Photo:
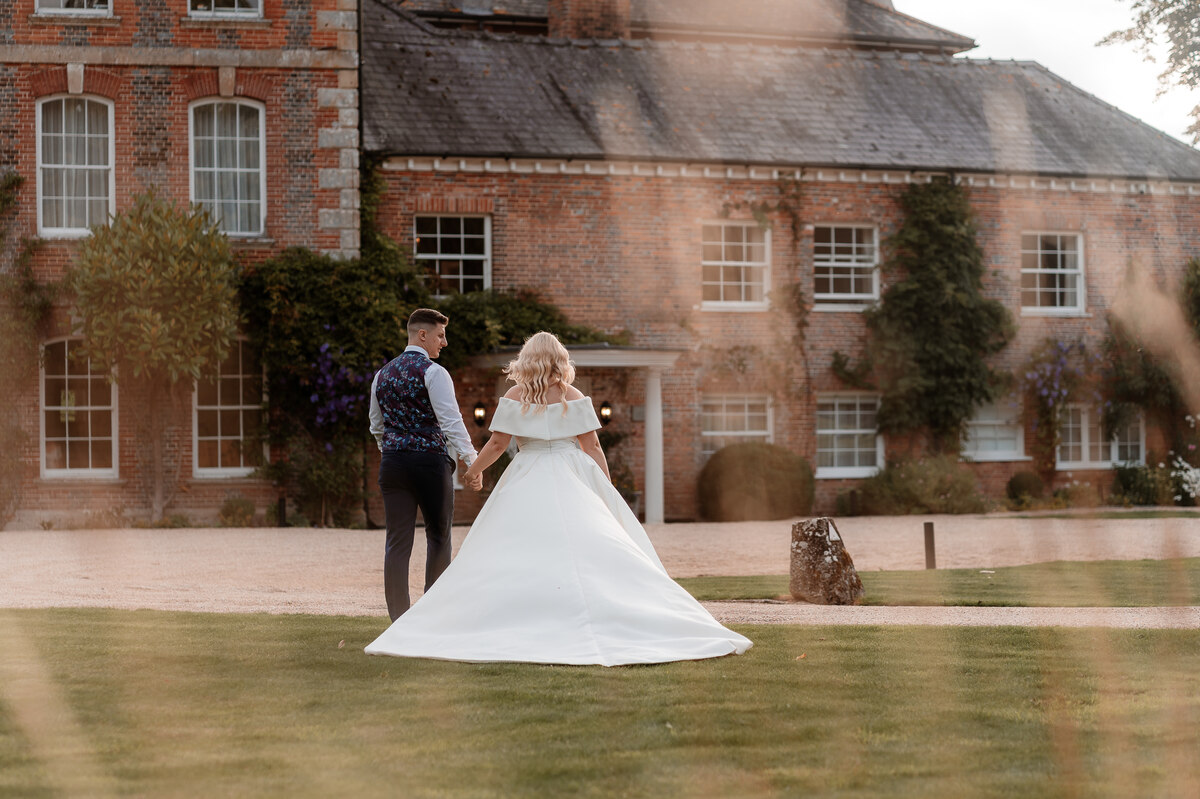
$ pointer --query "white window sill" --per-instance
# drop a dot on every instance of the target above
(82, 475)
(1094, 466)
(842, 473)
(222, 474)
(995, 457)
(735, 307)
(81, 17)
(1074, 313)
(64, 233)
(204, 19)
(823, 306)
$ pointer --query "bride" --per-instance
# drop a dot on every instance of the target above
(556, 568)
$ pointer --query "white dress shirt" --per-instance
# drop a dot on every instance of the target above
(445, 407)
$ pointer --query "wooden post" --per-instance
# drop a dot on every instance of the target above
(930, 556)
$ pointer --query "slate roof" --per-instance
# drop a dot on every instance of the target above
(857, 21)
(431, 92)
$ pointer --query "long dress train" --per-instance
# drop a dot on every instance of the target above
(556, 568)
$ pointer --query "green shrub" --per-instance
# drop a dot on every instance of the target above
(743, 482)
(1025, 484)
(236, 512)
(1143, 485)
(938, 484)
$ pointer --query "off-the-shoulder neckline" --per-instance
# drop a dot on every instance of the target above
(556, 402)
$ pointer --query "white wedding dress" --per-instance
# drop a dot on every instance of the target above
(556, 568)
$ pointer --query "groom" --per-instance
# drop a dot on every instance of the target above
(413, 416)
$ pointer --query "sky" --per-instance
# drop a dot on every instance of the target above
(1061, 35)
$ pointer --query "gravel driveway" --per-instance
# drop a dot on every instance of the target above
(304, 570)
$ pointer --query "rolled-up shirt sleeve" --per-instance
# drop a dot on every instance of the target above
(376, 415)
(445, 407)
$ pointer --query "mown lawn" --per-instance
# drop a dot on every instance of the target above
(1111, 583)
(142, 703)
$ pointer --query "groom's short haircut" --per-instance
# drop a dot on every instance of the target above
(427, 318)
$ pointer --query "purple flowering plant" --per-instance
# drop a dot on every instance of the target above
(1056, 373)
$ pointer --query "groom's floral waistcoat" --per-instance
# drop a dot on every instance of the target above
(410, 425)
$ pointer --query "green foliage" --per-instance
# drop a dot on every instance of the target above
(748, 481)
(322, 326)
(1134, 377)
(156, 292)
(1178, 23)
(1190, 294)
(156, 301)
(1025, 485)
(25, 305)
(1057, 372)
(938, 484)
(932, 332)
(1144, 485)
(481, 321)
(236, 512)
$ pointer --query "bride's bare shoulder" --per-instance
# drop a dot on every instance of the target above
(574, 393)
(513, 393)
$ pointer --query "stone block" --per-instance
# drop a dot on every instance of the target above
(822, 571)
(337, 179)
(337, 137)
(337, 98)
(337, 218)
(337, 21)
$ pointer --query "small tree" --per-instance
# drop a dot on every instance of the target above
(156, 301)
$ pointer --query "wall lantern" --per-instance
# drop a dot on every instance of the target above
(480, 413)
(606, 412)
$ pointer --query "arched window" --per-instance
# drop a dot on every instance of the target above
(74, 156)
(228, 159)
(79, 415)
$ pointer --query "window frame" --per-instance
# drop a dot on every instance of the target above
(846, 472)
(41, 11)
(213, 13)
(72, 232)
(764, 266)
(90, 473)
(262, 158)
(1086, 443)
(767, 434)
(486, 259)
(846, 302)
(1080, 308)
(220, 472)
(994, 456)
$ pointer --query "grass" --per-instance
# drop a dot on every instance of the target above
(1110, 583)
(200, 705)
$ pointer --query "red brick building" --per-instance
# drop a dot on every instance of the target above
(620, 156)
(248, 107)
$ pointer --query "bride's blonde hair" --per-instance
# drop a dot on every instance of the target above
(540, 363)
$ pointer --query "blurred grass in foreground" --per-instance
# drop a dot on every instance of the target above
(1107, 583)
(202, 705)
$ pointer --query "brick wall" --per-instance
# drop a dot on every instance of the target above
(622, 253)
(151, 60)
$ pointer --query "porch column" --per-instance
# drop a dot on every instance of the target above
(654, 446)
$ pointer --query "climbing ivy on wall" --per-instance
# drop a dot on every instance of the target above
(25, 305)
(931, 335)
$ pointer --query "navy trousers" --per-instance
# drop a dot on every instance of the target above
(411, 480)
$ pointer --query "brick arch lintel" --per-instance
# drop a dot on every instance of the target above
(208, 84)
(96, 81)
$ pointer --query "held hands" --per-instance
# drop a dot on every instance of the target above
(473, 480)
